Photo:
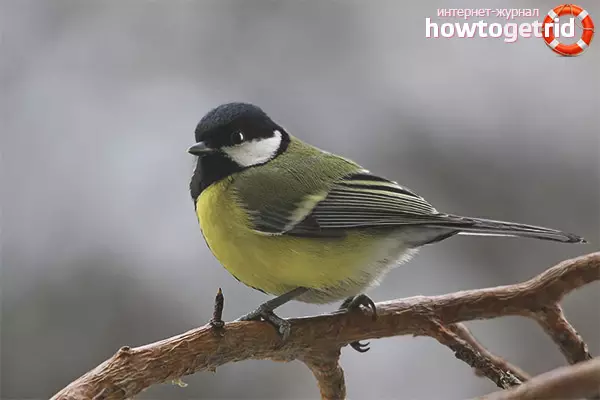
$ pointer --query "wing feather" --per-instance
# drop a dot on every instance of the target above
(364, 200)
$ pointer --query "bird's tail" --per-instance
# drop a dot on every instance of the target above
(488, 227)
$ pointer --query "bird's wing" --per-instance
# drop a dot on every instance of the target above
(355, 200)
(363, 200)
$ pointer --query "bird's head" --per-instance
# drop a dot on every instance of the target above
(233, 137)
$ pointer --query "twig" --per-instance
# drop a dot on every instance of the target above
(464, 351)
(555, 324)
(464, 333)
(217, 319)
(132, 370)
(572, 382)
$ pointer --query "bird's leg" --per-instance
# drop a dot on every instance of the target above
(265, 311)
(271, 305)
(353, 303)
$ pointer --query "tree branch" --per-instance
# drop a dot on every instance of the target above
(326, 369)
(317, 340)
(463, 350)
(554, 323)
(464, 333)
(572, 382)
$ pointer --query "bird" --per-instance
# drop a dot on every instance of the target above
(300, 223)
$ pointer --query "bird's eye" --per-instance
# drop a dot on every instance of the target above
(237, 137)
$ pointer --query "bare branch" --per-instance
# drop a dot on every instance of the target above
(464, 333)
(133, 369)
(572, 382)
(217, 319)
(465, 352)
(555, 324)
(326, 369)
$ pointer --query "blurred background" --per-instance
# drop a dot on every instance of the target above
(100, 244)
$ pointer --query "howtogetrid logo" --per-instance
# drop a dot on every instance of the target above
(552, 30)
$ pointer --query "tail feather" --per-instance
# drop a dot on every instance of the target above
(488, 227)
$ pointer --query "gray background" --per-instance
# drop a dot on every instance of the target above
(100, 245)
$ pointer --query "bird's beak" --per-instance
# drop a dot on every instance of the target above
(200, 149)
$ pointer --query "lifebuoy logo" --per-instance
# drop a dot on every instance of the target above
(556, 33)
(551, 25)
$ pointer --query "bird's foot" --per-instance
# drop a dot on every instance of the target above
(283, 326)
(354, 303)
(362, 300)
(265, 312)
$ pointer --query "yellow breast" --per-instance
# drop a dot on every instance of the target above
(277, 263)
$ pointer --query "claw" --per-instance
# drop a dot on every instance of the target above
(360, 347)
(283, 326)
(255, 315)
(265, 312)
(363, 300)
(353, 303)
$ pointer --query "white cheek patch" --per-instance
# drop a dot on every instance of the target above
(254, 152)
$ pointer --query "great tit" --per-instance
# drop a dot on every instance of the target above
(297, 222)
